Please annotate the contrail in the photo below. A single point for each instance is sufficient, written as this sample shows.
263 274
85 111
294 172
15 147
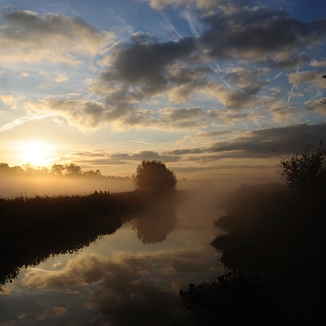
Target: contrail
218 66
289 98
191 24
226 84
170 28
278 75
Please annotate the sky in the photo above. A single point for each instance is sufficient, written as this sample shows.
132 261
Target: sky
210 87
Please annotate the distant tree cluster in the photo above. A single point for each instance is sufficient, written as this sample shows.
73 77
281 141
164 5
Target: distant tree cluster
61 170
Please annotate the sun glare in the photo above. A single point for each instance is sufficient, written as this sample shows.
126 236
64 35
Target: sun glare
37 153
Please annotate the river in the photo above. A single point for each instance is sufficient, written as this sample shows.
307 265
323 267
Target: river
130 277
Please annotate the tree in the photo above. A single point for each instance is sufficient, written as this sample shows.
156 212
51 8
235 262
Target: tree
73 169
305 173
57 169
155 177
324 100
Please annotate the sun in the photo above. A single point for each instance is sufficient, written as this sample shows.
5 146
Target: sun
36 152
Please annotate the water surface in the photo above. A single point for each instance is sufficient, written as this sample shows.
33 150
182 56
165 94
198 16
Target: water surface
130 277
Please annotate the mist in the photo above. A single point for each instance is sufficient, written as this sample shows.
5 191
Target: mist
14 186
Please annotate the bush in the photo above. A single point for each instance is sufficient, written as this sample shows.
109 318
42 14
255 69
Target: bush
305 173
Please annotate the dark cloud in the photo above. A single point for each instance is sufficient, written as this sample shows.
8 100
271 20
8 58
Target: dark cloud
260 143
144 63
250 82
257 32
117 159
254 144
216 133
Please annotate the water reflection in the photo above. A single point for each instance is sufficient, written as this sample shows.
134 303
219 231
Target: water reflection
118 280
20 253
154 225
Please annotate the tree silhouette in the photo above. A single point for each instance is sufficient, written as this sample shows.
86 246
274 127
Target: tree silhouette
324 100
57 169
73 169
155 177
305 173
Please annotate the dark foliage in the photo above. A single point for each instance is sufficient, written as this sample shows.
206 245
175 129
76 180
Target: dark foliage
234 298
155 177
305 173
279 235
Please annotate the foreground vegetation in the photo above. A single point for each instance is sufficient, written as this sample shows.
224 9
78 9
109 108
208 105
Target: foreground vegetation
275 247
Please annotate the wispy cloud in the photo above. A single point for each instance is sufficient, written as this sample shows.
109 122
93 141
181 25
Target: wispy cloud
22 120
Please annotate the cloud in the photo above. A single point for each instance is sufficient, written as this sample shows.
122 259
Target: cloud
200 4
256 144
184 118
304 77
244 94
30 37
104 158
231 117
259 143
260 33
143 64
9 100
318 64
61 77
235 98
316 106
82 114
282 112
249 81
120 113
216 133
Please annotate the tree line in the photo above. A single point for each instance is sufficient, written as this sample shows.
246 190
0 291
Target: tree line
58 170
